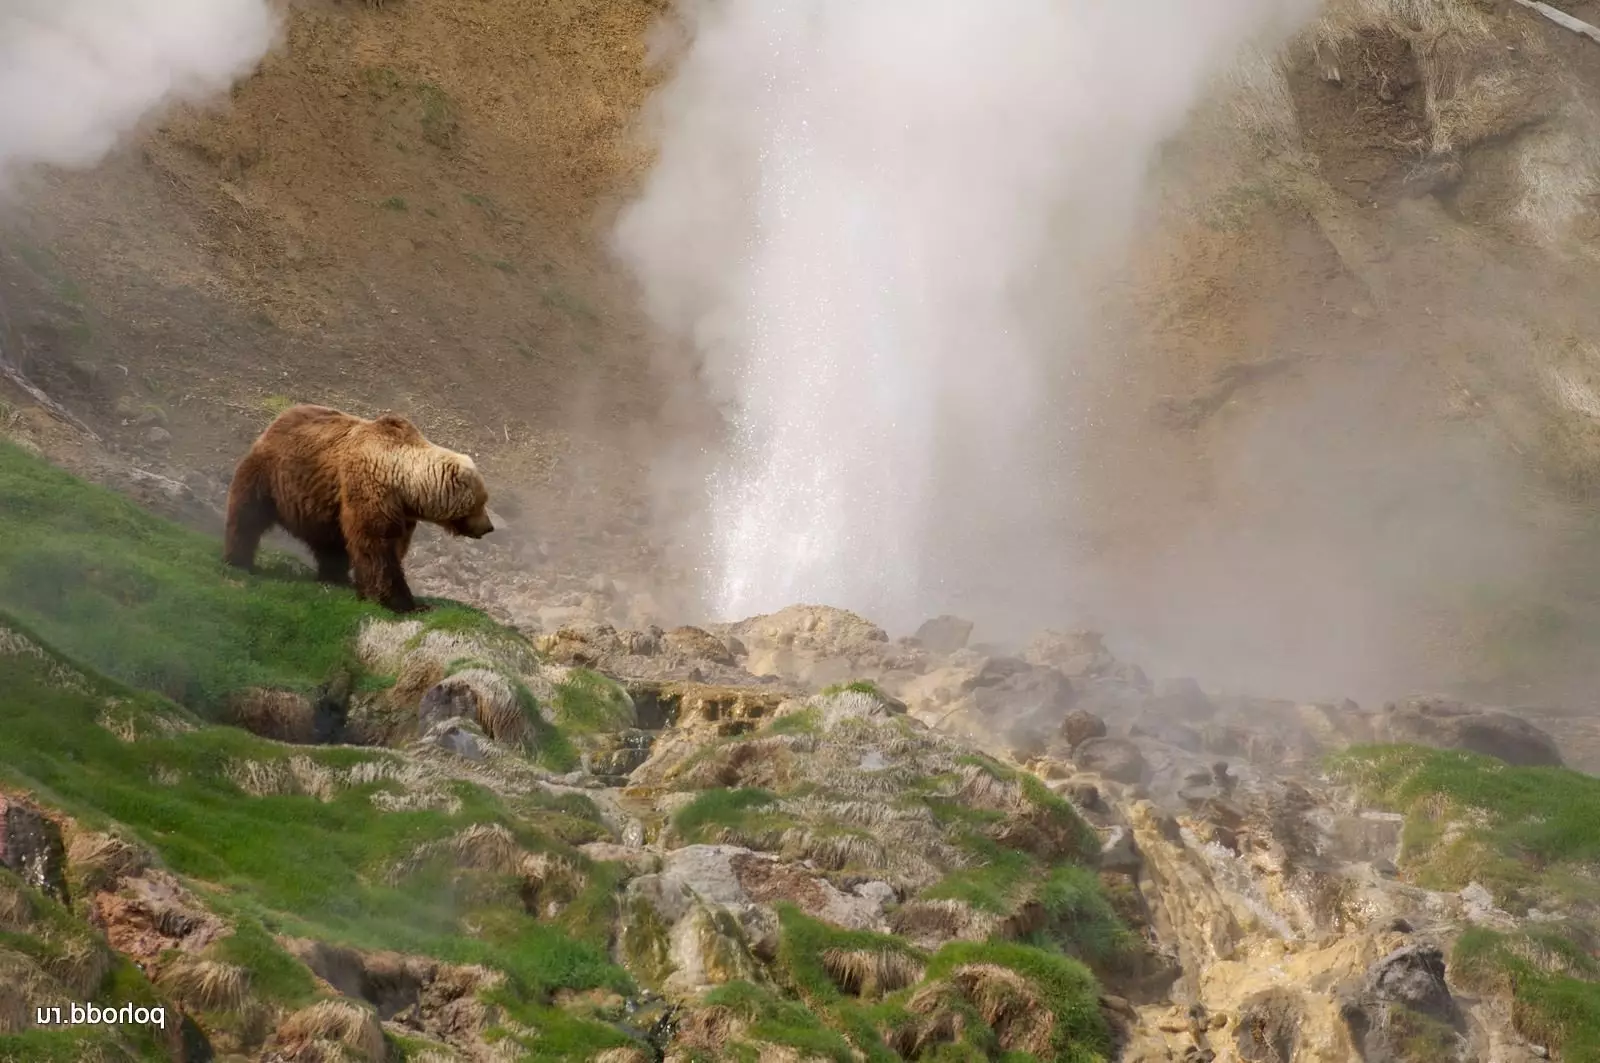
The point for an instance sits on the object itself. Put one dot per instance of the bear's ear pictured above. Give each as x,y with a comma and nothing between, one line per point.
397,425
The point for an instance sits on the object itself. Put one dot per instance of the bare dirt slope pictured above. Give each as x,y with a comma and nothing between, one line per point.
403,208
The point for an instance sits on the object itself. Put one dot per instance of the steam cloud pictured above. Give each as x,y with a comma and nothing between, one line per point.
848,218
78,75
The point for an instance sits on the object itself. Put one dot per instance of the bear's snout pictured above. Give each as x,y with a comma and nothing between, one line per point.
474,527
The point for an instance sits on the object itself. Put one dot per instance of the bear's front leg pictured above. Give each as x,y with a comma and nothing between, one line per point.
379,577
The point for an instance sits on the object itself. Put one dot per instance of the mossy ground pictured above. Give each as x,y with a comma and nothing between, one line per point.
152,604
122,634
1531,836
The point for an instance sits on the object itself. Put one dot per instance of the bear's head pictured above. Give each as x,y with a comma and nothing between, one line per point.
463,505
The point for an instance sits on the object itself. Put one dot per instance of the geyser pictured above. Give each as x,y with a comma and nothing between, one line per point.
847,214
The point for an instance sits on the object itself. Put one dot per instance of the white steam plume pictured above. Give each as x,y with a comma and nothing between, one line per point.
78,75
849,208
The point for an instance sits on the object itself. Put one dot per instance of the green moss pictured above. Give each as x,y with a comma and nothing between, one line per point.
286,864
587,702
713,810
805,939
1526,833
783,1022
1557,1002
803,722
860,686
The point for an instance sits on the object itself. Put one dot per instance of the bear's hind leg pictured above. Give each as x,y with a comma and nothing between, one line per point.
251,512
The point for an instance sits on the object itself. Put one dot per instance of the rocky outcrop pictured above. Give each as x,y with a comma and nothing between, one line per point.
1447,724
31,847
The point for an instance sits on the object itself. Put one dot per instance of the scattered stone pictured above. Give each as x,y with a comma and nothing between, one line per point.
1269,1027
460,737
1183,699
1114,758
944,635
1080,726
31,847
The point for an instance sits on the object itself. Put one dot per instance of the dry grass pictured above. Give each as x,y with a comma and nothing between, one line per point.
80,964
341,1022
206,985
622,1055
295,777
100,861
276,714
16,907
871,973
1004,999
981,788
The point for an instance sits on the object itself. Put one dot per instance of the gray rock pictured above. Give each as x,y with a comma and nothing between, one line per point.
1269,1026
1183,699
1120,854
1114,758
31,847
1447,724
1080,726
944,635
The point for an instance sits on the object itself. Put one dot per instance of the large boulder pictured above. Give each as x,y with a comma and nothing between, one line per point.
1446,724
31,847
1118,759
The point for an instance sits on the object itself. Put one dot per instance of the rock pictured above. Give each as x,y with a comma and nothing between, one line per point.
1414,976
31,847
1446,724
695,642
459,736
1075,654
486,698
1183,699
1120,854
1405,1002
156,438
944,635
1114,758
1080,726
619,754
1269,1026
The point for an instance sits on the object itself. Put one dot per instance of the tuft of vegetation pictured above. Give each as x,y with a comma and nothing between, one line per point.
713,812
1528,834
587,702
1551,978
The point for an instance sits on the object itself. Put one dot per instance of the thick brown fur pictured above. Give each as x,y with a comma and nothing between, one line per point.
352,490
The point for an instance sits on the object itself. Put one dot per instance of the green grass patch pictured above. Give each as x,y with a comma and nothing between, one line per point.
1557,1002
287,864
1529,834
715,810
153,605
587,702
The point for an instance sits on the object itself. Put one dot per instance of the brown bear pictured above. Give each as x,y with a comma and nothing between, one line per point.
352,490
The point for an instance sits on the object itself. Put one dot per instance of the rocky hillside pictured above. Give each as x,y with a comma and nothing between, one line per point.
309,830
